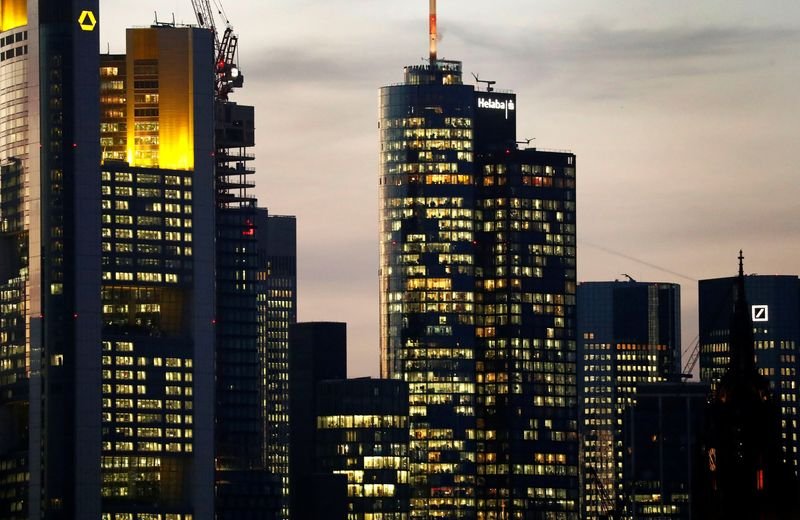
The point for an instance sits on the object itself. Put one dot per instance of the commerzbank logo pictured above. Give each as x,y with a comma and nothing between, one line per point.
497,104
87,21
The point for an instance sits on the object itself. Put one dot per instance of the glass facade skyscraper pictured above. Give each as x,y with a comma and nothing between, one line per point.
747,470
158,235
50,374
477,286
629,334
427,278
775,314
277,311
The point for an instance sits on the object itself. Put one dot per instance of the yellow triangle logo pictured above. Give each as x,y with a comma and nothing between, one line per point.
87,21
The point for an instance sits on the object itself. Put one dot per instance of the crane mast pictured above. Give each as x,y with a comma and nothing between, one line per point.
226,71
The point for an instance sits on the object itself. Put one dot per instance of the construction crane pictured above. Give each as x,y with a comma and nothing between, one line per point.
226,71
606,500
693,353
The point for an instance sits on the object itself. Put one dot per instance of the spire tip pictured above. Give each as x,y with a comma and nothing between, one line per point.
741,263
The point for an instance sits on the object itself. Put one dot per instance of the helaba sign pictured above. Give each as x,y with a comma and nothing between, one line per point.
497,104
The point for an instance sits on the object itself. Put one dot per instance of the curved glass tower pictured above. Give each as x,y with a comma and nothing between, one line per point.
477,285
427,278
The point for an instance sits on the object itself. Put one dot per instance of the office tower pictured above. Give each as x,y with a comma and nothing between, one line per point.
244,486
477,284
277,311
629,334
775,312
255,304
50,375
238,368
317,351
362,432
526,348
662,433
745,470
428,305
158,234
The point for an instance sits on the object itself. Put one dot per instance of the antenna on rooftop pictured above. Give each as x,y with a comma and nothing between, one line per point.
432,31
489,82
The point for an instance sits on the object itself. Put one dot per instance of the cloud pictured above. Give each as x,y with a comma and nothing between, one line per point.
603,62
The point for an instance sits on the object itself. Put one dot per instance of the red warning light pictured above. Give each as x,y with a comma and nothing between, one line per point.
251,229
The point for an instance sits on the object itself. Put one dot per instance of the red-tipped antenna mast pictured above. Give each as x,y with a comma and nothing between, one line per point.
432,30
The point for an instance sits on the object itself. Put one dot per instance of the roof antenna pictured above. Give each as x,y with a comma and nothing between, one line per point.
489,82
432,31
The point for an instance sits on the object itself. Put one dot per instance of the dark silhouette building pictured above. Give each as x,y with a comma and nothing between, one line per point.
660,440
743,471
50,266
775,311
317,352
629,334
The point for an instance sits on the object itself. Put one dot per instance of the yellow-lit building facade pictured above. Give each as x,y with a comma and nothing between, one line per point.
158,277
15,285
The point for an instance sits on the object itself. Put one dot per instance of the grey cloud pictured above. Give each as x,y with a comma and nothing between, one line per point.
615,61
602,63
591,43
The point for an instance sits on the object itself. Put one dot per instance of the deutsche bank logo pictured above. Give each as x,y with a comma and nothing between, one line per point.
760,312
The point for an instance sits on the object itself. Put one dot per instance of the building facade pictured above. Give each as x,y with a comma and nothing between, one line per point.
277,311
317,352
362,432
158,277
50,375
477,285
238,365
775,313
745,469
629,334
662,434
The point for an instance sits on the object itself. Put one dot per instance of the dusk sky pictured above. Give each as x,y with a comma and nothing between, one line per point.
683,115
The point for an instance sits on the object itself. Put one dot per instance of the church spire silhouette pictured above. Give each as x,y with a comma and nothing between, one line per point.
743,471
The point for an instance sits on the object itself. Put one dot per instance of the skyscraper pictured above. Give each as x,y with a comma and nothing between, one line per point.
277,311
238,365
256,303
158,235
746,473
775,314
50,374
477,285
629,334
